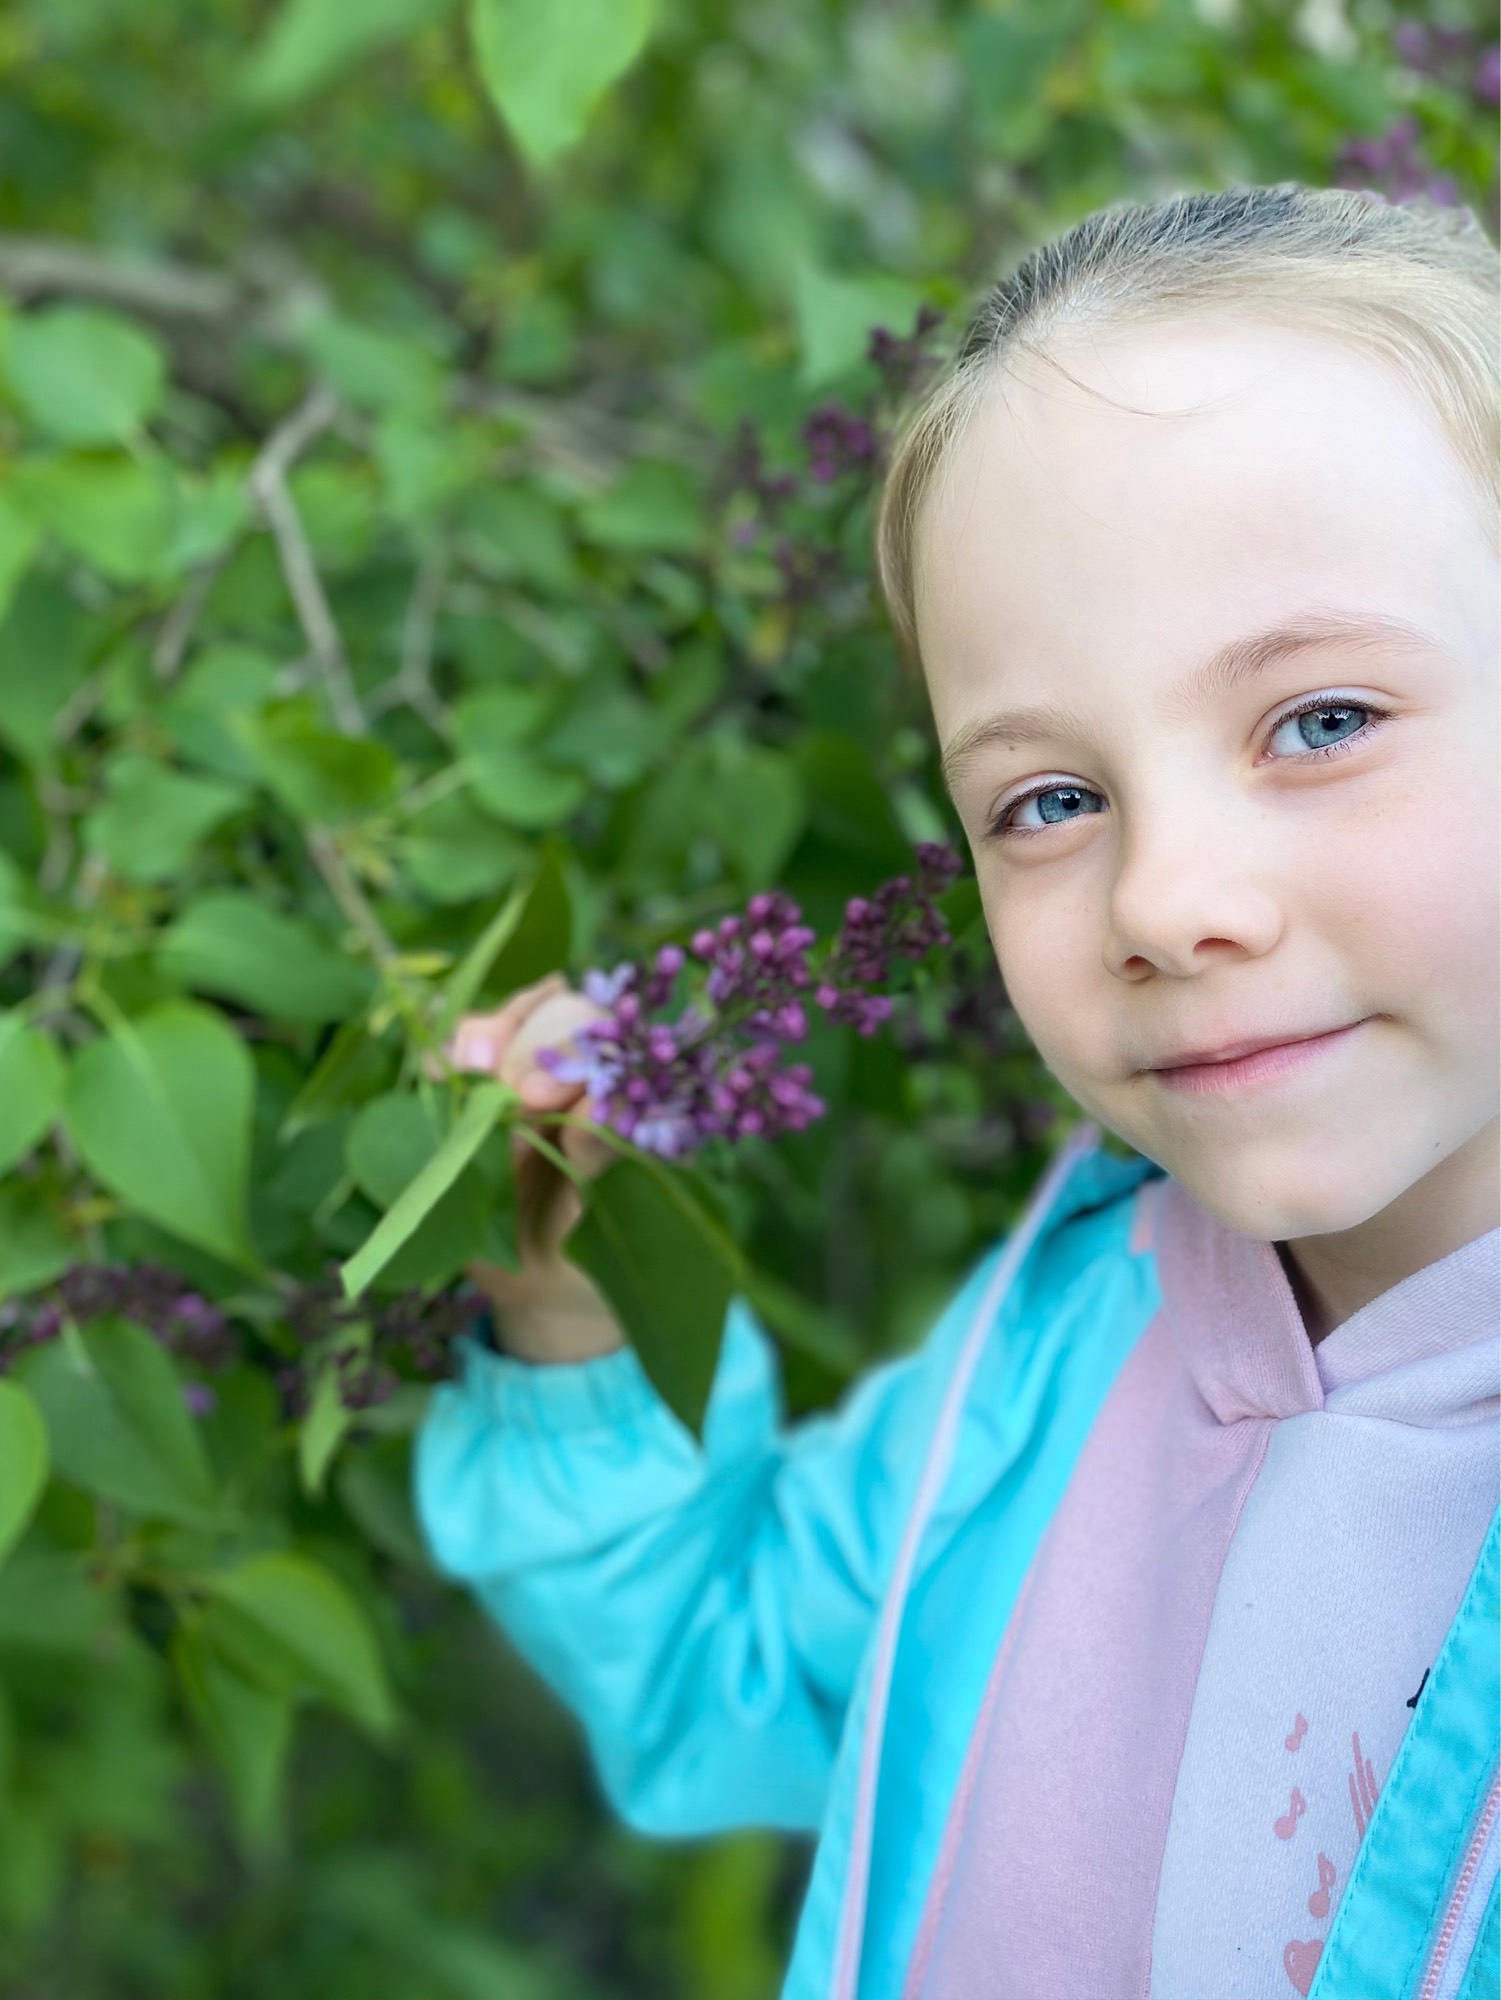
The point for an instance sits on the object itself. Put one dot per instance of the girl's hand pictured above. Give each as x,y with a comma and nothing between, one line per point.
548,1310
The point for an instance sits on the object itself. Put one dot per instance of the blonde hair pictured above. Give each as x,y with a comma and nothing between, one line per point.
1411,283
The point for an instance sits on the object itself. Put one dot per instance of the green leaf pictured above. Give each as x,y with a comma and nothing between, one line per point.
521,790
836,316
34,1244
464,982
374,1482
397,1155
161,1112
18,540
610,733
492,730
315,1627
118,1424
542,939
155,818
32,1081
84,376
518,532
311,42
43,660
375,370
120,514
652,507
668,1271
427,464
321,1431
48,1604
224,679
317,774
229,943
755,807
848,806
528,936
23,1462
547,67
352,1066
248,1728
453,852
212,510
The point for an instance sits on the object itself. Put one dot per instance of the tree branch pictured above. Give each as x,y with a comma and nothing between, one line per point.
349,896
413,683
267,485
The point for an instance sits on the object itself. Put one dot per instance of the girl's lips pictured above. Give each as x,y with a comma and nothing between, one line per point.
1262,1066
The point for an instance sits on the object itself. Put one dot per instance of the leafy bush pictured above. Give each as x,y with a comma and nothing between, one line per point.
439,448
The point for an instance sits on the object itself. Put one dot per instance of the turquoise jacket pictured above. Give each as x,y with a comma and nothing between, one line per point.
795,1626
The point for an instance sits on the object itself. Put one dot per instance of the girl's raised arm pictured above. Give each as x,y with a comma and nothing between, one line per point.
701,1606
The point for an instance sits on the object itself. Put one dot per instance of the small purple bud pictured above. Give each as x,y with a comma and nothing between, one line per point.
670,960
729,927
750,1123
763,945
702,944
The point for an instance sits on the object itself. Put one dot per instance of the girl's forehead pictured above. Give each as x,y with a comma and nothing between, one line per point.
1160,487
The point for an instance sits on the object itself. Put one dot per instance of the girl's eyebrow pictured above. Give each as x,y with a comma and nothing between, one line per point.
1230,665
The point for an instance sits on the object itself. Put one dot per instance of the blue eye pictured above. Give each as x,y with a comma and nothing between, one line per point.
1055,804
1322,726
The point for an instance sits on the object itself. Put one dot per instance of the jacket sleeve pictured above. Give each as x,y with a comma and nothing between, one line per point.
701,1607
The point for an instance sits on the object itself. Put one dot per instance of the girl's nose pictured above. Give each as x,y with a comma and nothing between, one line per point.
1189,894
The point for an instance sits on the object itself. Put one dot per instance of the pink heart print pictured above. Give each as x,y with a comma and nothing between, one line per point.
1300,1961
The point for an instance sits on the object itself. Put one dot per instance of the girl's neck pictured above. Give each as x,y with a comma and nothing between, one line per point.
1333,1276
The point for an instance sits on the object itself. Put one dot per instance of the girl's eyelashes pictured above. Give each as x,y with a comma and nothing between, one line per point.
1323,726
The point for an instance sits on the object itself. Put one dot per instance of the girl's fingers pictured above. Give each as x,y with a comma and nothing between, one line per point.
540,1092
551,1026
480,1041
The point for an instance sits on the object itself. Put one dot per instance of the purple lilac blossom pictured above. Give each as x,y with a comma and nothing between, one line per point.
1394,160
716,1072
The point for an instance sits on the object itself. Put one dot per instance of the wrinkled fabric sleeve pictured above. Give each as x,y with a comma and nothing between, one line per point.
702,1608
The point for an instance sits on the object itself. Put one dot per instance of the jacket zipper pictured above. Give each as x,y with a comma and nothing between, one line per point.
1461,1894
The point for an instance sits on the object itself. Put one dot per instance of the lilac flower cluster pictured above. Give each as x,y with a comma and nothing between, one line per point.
898,921
1453,56
901,362
746,472
1394,160
411,1335
839,441
715,1071
409,1329
185,1322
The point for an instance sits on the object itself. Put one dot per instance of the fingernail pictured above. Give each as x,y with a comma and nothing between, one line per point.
473,1049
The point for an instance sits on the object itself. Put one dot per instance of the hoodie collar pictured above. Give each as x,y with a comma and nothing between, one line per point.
1432,1338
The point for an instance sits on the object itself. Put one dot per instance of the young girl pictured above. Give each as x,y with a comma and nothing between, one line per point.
1137,1639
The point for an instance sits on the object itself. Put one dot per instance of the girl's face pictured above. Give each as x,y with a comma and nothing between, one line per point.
1216,682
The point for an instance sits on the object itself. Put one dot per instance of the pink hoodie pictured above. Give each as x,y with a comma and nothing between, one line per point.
1302,1523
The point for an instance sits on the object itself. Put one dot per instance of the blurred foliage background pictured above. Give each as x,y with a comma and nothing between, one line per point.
437,447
